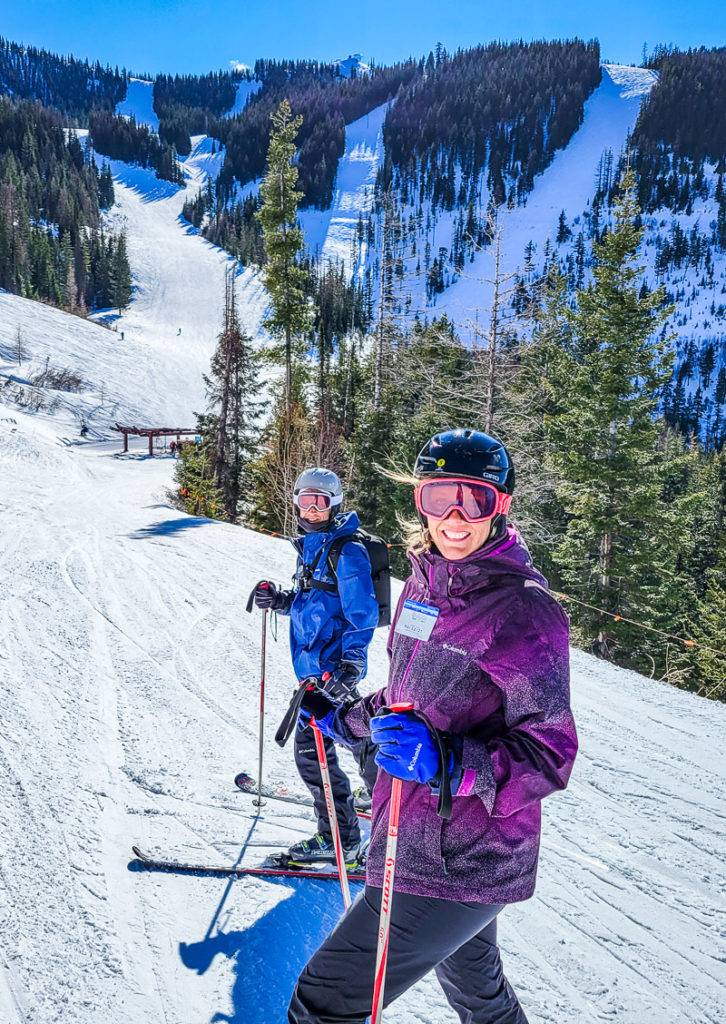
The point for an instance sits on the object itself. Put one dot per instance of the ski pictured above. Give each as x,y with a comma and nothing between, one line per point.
154,863
246,784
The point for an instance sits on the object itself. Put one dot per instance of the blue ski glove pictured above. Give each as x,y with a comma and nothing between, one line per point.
406,748
328,713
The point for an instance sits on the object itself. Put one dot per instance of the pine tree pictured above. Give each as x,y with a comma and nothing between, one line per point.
603,443
282,274
194,477
233,394
121,275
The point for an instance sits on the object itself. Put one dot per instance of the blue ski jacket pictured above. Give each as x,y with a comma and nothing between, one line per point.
327,627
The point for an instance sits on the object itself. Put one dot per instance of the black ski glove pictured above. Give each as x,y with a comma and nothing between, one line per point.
329,714
266,595
343,681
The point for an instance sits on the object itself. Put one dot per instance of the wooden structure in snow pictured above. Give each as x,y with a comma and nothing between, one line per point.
152,432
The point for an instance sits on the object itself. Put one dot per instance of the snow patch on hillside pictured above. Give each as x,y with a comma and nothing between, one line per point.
568,183
245,90
139,103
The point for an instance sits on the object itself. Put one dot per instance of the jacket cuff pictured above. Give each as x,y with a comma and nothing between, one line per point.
477,773
356,720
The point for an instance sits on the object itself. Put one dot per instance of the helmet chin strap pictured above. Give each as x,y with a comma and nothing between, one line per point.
305,526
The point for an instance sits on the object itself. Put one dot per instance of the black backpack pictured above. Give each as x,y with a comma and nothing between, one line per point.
380,570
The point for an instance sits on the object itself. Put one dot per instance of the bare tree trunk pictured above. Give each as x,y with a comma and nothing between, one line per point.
382,306
494,331
220,458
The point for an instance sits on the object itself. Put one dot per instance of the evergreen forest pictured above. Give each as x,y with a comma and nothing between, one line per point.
52,244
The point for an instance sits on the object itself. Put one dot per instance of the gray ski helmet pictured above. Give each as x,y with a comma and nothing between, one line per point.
317,479
467,453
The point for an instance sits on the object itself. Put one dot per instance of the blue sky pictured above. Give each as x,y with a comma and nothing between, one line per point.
199,35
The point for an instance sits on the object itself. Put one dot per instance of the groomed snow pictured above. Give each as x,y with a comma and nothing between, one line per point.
178,281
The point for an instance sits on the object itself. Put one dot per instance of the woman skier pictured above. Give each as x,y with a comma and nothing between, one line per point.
480,648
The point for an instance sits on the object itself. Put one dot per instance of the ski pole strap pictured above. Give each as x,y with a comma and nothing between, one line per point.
287,725
444,805
251,599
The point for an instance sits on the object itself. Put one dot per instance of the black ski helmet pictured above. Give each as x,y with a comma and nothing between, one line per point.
468,453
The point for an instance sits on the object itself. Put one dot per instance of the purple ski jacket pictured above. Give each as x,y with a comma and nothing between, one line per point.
495,670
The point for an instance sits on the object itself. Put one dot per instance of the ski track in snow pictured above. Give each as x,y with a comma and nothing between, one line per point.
129,677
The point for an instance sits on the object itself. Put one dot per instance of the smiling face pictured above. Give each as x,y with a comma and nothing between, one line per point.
314,515
455,537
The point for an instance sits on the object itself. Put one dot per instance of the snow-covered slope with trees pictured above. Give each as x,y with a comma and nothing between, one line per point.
128,675
332,233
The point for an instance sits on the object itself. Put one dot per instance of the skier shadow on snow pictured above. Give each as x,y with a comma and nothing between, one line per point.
271,953
168,527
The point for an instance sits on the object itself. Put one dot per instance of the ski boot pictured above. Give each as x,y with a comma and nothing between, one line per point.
362,800
319,850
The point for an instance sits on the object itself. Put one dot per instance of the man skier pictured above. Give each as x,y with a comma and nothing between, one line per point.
332,621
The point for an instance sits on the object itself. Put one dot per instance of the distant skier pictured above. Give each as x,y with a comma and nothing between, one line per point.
172,449
478,646
178,332
84,430
331,627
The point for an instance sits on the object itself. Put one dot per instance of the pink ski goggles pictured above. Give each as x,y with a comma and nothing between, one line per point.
476,500
313,499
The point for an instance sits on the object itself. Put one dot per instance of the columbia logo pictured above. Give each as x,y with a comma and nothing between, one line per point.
456,650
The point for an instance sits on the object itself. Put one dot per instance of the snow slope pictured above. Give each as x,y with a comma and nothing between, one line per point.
178,281
568,183
245,89
139,103
128,694
129,678
331,233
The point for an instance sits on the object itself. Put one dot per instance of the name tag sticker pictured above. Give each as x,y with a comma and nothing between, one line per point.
417,620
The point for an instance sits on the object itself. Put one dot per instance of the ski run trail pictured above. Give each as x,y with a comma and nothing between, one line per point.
129,695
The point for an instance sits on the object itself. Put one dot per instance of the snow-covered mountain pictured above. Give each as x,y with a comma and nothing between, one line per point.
352,64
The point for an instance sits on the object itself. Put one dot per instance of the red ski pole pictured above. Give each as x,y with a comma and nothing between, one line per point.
332,816
384,925
259,802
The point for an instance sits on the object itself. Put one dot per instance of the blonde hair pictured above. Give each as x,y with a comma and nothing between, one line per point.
416,537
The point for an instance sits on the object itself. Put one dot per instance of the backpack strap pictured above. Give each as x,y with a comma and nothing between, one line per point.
306,581
333,558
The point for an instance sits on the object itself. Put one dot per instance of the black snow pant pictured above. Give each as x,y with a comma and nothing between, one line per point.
457,940
306,759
